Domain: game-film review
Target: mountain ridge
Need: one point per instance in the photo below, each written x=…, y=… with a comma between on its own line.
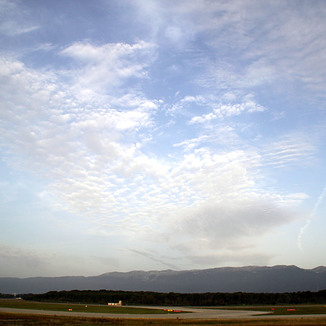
x=278, y=278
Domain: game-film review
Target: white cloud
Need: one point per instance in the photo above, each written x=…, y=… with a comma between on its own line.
x=190, y=144
x=12, y=28
x=14, y=20
x=219, y=133
x=107, y=153
x=166, y=23
x=225, y=110
x=218, y=108
x=225, y=230
x=74, y=147
x=292, y=149
x=109, y=65
x=229, y=221
x=244, y=49
x=93, y=167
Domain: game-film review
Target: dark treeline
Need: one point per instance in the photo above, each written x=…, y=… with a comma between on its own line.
x=180, y=299
x=6, y=296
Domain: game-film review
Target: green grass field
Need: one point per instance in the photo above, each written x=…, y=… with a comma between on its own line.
x=21, y=304
x=26, y=319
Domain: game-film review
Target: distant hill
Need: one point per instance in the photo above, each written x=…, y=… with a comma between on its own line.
x=226, y=279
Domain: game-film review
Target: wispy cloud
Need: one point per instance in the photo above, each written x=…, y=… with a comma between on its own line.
x=109, y=64
x=11, y=28
x=266, y=51
x=303, y=229
x=156, y=257
x=294, y=149
x=10, y=25
x=228, y=110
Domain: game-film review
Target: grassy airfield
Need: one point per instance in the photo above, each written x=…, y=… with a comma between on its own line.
x=280, y=313
x=22, y=304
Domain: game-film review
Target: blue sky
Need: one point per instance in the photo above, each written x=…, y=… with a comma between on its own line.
x=151, y=135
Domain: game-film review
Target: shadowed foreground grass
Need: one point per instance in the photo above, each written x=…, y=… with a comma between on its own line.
x=11, y=319
x=283, y=310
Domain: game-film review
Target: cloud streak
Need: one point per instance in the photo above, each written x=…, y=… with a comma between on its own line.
x=310, y=218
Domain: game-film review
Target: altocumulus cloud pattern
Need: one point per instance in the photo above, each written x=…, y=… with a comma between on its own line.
x=161, y=135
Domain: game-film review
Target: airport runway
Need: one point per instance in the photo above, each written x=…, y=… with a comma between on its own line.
x=196, y=313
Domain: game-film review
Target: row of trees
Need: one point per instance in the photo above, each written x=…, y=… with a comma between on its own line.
x=7, y=296
x=180, y=299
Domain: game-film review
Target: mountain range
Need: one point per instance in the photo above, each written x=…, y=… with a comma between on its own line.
x=255, y=279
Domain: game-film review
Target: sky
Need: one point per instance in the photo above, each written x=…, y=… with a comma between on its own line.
x=154, y=135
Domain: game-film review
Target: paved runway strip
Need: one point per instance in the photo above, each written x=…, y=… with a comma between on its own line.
x=196, y=313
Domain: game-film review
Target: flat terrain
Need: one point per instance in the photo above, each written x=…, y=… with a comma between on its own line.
x=19, y=312
x=286, y=310
x=22, y=306
x=77, y=308
x=11, y=319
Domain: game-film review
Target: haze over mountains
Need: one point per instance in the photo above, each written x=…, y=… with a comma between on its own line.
x=226, y=279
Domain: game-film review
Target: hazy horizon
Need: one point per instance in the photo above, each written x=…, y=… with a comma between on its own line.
x=152, y=135
x=167, y=270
